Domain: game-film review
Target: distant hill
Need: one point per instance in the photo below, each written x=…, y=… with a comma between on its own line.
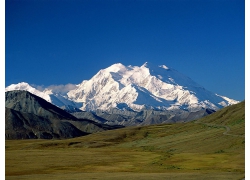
x=28, y=116
x=142, y=118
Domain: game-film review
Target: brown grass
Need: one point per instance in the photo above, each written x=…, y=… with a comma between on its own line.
x=177, y=151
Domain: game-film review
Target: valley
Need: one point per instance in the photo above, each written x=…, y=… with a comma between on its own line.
x=212, y=147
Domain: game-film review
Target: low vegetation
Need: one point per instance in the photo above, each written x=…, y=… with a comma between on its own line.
x=210, y=148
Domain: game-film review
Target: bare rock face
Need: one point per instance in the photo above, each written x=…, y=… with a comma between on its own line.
x=21, y=125
x=28, y=116
x=29, y=103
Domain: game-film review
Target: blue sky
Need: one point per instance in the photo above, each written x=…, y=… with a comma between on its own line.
x=59, y=42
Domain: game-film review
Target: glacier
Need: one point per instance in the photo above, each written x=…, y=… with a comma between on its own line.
x=145, y=87
x=135, y=88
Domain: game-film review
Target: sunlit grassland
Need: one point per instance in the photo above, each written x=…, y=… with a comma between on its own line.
x=174, y=151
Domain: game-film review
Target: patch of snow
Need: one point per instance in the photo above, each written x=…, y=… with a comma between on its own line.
x=223, y=103
x=164, y=67
x=159, y=76
x=228, y=100
x=26, y=87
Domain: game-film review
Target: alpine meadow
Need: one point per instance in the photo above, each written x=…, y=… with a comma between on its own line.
x=210, y=147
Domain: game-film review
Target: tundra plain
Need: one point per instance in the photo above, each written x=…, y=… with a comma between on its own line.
x=209, y=148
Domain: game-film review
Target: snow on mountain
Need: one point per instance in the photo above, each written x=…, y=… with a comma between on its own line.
x=133, y=88
x=148, y=86
x=47, y=94
x=26, y=87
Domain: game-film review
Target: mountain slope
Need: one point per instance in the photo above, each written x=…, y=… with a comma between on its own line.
x=133, y=88
x=57, y=99
x=30, y=103
x=29, y=116
x=232, y=118
x=145, y=87
x=21, y=125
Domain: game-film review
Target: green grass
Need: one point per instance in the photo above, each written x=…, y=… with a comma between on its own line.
x=130, y=176
x=168, y=151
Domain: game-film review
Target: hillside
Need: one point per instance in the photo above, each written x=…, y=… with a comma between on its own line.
x=28, y=116
x=210, y=148
x=25, y=101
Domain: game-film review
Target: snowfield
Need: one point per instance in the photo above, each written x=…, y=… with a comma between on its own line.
x=133, y=87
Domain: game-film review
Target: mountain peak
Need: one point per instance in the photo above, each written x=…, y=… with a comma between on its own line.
x=149, y=85
x=145, y=64
x=19, y=86
x=26, y=87
x=116, y=67
x=149, y=65
x=136, y=87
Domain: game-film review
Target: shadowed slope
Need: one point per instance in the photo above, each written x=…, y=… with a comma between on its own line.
x=28, y=116
x=21, y=125
x=26, y=102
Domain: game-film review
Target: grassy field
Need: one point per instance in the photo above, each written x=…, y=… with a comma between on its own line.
x=209, y=148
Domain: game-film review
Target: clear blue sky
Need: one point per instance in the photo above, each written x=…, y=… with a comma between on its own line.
x=52, y=42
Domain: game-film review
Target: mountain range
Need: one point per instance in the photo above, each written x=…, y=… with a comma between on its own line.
x=133, y=95
x=133, y=88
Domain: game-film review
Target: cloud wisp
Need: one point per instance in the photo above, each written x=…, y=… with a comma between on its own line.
x=62, y=89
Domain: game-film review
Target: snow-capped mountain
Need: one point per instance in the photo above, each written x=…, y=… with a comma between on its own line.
x=60, y=100
x=134, y=88
x=26, y=87
x=144, y=87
